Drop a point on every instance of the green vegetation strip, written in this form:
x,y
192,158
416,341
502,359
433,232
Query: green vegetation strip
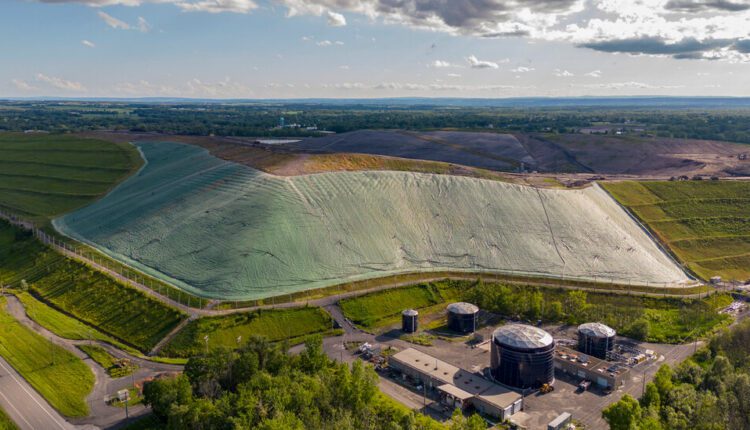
x,y
47,175
706,224
5,422
88,295
59,376
114,367
234,330
383,308
416,277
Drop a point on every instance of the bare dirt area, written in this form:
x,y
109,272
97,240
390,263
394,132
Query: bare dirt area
x,y
635,155
540,160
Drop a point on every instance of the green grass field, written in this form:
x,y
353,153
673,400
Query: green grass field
x,y
90,296
383,308
59,376
110,364
706,224
42,176
5,422
275,325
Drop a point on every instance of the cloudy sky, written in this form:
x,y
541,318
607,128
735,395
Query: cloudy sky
x,y
373,48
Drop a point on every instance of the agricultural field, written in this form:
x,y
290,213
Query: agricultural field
x,y
43,175
117,310
109,363
382,308
706,224
223,331
222,230
60,377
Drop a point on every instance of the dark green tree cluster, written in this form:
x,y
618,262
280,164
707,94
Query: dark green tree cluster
x,y
262,387
710,391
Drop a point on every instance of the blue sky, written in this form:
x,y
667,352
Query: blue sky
x,y
371,48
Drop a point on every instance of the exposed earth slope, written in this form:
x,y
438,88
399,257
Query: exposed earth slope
x,y
224,230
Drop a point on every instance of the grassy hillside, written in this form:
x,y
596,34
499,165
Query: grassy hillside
x,y
59,376
383,307
89,296
223,331
705,223
42,176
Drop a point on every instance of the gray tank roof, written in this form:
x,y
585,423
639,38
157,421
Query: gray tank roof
x,y
410,313
463,308
522,336
596,330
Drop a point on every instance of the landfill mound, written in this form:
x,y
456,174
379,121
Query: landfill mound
x,y
226,231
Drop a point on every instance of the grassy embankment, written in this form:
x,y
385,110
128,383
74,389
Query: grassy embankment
x,y
417,277
43,176
706,224
87,295
59,376
669,319
223,331
63,325
5,422
110,364
381,309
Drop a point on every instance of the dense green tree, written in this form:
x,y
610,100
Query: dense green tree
x,y
624,414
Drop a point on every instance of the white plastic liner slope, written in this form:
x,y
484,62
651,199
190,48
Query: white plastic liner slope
x,y
223,230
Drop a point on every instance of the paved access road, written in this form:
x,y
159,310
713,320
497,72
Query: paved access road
x,y
24,405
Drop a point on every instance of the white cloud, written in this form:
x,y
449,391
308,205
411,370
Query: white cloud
x,y
215,6
22,85
113,22
522,69
335,19
344,67
143,25
594,74
453,75
88,43
60,83
325,43
563,73
683,29
627,85
476,63
440,64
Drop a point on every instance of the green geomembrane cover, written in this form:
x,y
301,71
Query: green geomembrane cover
x,y
226,231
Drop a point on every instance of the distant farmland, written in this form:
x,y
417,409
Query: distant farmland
x,y
705,223
223,230
45,175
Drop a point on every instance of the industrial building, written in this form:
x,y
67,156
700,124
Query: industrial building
x,y
462,317
409,321
522,356
596,339
456,387
607,375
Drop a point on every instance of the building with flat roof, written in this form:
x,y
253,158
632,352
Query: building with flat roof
x,y
457,387
605,374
